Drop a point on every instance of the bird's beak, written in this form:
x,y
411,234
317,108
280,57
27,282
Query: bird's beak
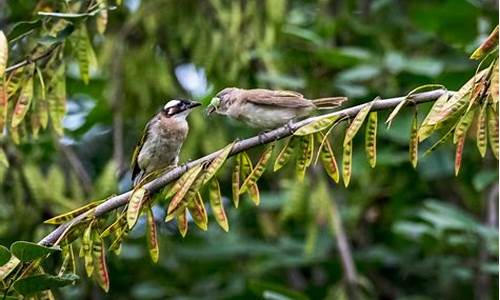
x,y
193,105
210,109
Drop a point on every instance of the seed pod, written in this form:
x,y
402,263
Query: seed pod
x,y
329,162
463,125
347,163
99,257
182,222
304,159
493,130
488,45
191,176
235,180
371,139
414,141
198,212
23,103
493,89
152,235
217,163
357,122
216,204
427,129
86,250
285,153
316,126
134,206
258,170
481,138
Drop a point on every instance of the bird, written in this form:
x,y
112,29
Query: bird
x,y
267,109
162,139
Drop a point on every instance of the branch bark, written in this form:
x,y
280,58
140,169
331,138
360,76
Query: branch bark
x,y
32,59
243,145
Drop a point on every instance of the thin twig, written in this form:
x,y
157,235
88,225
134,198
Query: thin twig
x,y
240,146
32,59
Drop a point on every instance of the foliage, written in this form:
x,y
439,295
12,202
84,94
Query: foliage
x,y
404,244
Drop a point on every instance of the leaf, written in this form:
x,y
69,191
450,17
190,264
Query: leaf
x,y
258,170
493,130
329,162
487,46
72,214
427,129
187,180
305,156
23,103
216,204
198,212
8,267
86,250
182,222
152,235
102,17
5,255
481,138
463,125
371,139
27,251
414,140
99,258
407,99
41,282
235,180
4,54
320,124
285,153
134,206
217,163
347,163
357,122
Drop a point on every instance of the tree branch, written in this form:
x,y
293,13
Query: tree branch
x,y
243,145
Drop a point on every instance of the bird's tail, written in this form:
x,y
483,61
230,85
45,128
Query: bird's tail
x,y
329,103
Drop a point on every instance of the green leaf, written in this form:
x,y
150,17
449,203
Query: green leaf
x,y
41,282
28,251
4,255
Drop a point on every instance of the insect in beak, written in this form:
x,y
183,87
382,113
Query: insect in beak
x,y
212,107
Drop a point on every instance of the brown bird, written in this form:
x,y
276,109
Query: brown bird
x,y
267,109
162,139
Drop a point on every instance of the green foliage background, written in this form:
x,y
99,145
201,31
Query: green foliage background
x,y
415,234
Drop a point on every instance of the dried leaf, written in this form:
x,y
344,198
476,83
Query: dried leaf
x,y
493,130
4,54
357,122
198,212
285,153
427,129
258,170
99,257
152,235
481,138
329,162
23,103
134,206
487,46
217,163
414,141
347,163
216,204
320,124
182,222
371,139
190,177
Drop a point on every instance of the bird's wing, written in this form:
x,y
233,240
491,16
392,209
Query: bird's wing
x,y
287,99
134,165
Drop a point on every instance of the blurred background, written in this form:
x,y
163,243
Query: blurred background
x,y
412,233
